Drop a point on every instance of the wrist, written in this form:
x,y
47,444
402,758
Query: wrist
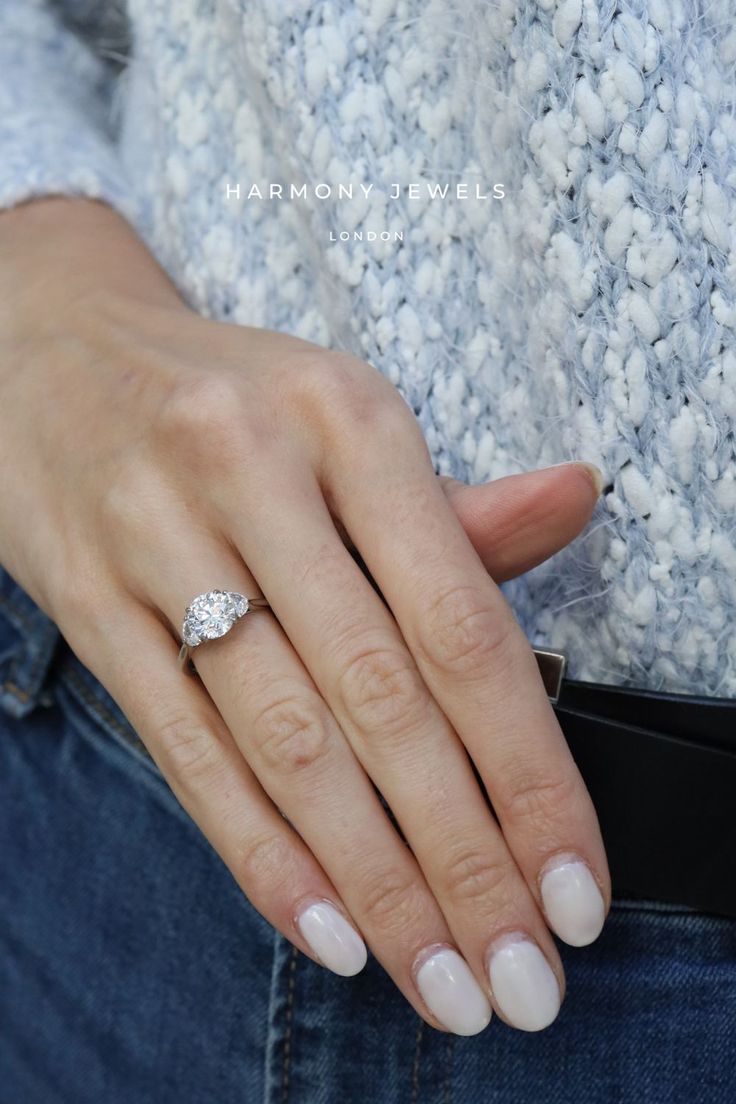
x,y
60,255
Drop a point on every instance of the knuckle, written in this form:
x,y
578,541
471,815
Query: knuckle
x,y
333,381
461,633
292,736
533,803
346,396
187,752
391,901
203,418
474,876
382,691
320,567
198,403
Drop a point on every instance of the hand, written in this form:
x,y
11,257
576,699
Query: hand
x,y
156,454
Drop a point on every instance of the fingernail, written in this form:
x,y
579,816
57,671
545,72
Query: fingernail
x,y
451,992
573,902
524,985
593,472
335,942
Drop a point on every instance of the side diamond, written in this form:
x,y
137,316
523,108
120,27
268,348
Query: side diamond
x,y
190,636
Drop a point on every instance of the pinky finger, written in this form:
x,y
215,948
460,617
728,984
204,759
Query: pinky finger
x,y
187,739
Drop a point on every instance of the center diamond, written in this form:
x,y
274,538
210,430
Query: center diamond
x,y
211,615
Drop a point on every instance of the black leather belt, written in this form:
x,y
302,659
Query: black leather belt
x,y
661,770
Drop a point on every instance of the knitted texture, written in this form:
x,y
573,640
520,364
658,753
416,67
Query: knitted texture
x,y
55,109
588,314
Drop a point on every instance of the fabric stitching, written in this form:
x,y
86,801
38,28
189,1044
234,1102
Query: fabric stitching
x,y
417,1063
286,1068
447,1097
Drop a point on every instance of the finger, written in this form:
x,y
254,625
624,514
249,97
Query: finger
x,y
518,521
350,644
477,663
195,752
295,748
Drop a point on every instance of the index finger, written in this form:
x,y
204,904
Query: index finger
x,y
479,667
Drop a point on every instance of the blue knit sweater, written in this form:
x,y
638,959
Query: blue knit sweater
x,y
522,213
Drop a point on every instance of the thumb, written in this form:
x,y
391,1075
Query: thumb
x,y
518,521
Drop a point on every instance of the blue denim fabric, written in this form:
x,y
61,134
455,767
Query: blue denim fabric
x,y
133,970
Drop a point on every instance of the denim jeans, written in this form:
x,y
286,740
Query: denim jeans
x,y
135,972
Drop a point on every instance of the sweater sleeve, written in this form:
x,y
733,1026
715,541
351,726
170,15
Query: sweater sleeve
x,y
57,134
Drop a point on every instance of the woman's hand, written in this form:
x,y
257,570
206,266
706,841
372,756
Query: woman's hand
x,y
149,454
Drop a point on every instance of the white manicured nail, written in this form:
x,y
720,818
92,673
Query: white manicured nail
x,y
335,942
524,986
573,902
451,992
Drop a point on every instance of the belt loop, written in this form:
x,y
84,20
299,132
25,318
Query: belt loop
x,y
25,663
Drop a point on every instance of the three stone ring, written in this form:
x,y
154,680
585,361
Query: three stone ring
x,y
211,615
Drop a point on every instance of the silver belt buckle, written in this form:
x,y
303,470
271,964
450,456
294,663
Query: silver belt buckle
x,y
552,669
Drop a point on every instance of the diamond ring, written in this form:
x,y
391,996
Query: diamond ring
x,y
213,614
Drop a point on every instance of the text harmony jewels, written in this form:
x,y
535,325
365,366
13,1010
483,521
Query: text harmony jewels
x,y
426,189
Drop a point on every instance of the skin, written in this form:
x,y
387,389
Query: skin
x,y
148,454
